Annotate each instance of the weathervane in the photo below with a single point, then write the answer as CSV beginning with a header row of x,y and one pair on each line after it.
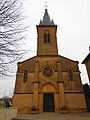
x,y
46,5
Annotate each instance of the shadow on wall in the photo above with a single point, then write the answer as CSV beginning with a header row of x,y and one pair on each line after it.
x,y
86,89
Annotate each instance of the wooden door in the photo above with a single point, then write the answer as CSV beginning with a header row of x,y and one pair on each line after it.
x,y
48,102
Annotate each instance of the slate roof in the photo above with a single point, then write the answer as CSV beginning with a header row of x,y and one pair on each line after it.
x,y
46,19
87,58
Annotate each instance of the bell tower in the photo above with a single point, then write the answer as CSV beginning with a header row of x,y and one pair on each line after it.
x,y
46,36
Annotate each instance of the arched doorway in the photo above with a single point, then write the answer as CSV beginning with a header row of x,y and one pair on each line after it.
x,y
48,102
48,91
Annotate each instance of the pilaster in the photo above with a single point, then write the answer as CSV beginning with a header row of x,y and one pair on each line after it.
x,y
36,71
59,72
35,94
35,86
61,94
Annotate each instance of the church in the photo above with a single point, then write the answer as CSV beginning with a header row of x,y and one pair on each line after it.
x,y
48,81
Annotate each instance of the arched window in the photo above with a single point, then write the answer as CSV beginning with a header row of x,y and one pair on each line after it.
x,y
25,75
70,74
47,37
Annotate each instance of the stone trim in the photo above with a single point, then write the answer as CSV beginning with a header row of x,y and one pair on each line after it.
x,y
36,82
24,93
60,81
72,92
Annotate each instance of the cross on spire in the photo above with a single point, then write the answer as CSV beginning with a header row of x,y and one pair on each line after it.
x,y
46,5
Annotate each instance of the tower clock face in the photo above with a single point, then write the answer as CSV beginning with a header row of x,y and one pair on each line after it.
x,y
47,71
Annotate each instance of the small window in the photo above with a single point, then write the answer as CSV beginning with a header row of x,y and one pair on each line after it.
x,y
25,75
47,37
70,74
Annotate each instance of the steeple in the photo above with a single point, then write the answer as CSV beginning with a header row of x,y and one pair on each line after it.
x,y
46,19
47,39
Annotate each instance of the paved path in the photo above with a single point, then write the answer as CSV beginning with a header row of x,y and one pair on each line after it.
x,y
55,116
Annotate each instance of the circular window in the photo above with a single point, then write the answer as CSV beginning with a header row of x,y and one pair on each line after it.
x,y
47,71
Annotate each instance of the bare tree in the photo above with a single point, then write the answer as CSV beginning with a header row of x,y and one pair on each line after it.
x,y
11,34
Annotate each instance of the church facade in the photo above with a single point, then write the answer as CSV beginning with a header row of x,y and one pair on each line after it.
x,y
48,82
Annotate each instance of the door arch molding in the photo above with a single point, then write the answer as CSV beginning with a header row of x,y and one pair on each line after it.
x,y
48,88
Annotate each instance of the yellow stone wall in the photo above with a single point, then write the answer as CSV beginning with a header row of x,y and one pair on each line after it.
x,y
47,49
38,75
23,102
75,102
30,93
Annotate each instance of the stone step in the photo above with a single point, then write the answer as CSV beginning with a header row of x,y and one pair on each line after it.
x,y
22,119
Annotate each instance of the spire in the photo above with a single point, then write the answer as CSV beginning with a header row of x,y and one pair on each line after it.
x,y
46,19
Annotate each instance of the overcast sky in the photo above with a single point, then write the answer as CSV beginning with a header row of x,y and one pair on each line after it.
x,y
73,32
